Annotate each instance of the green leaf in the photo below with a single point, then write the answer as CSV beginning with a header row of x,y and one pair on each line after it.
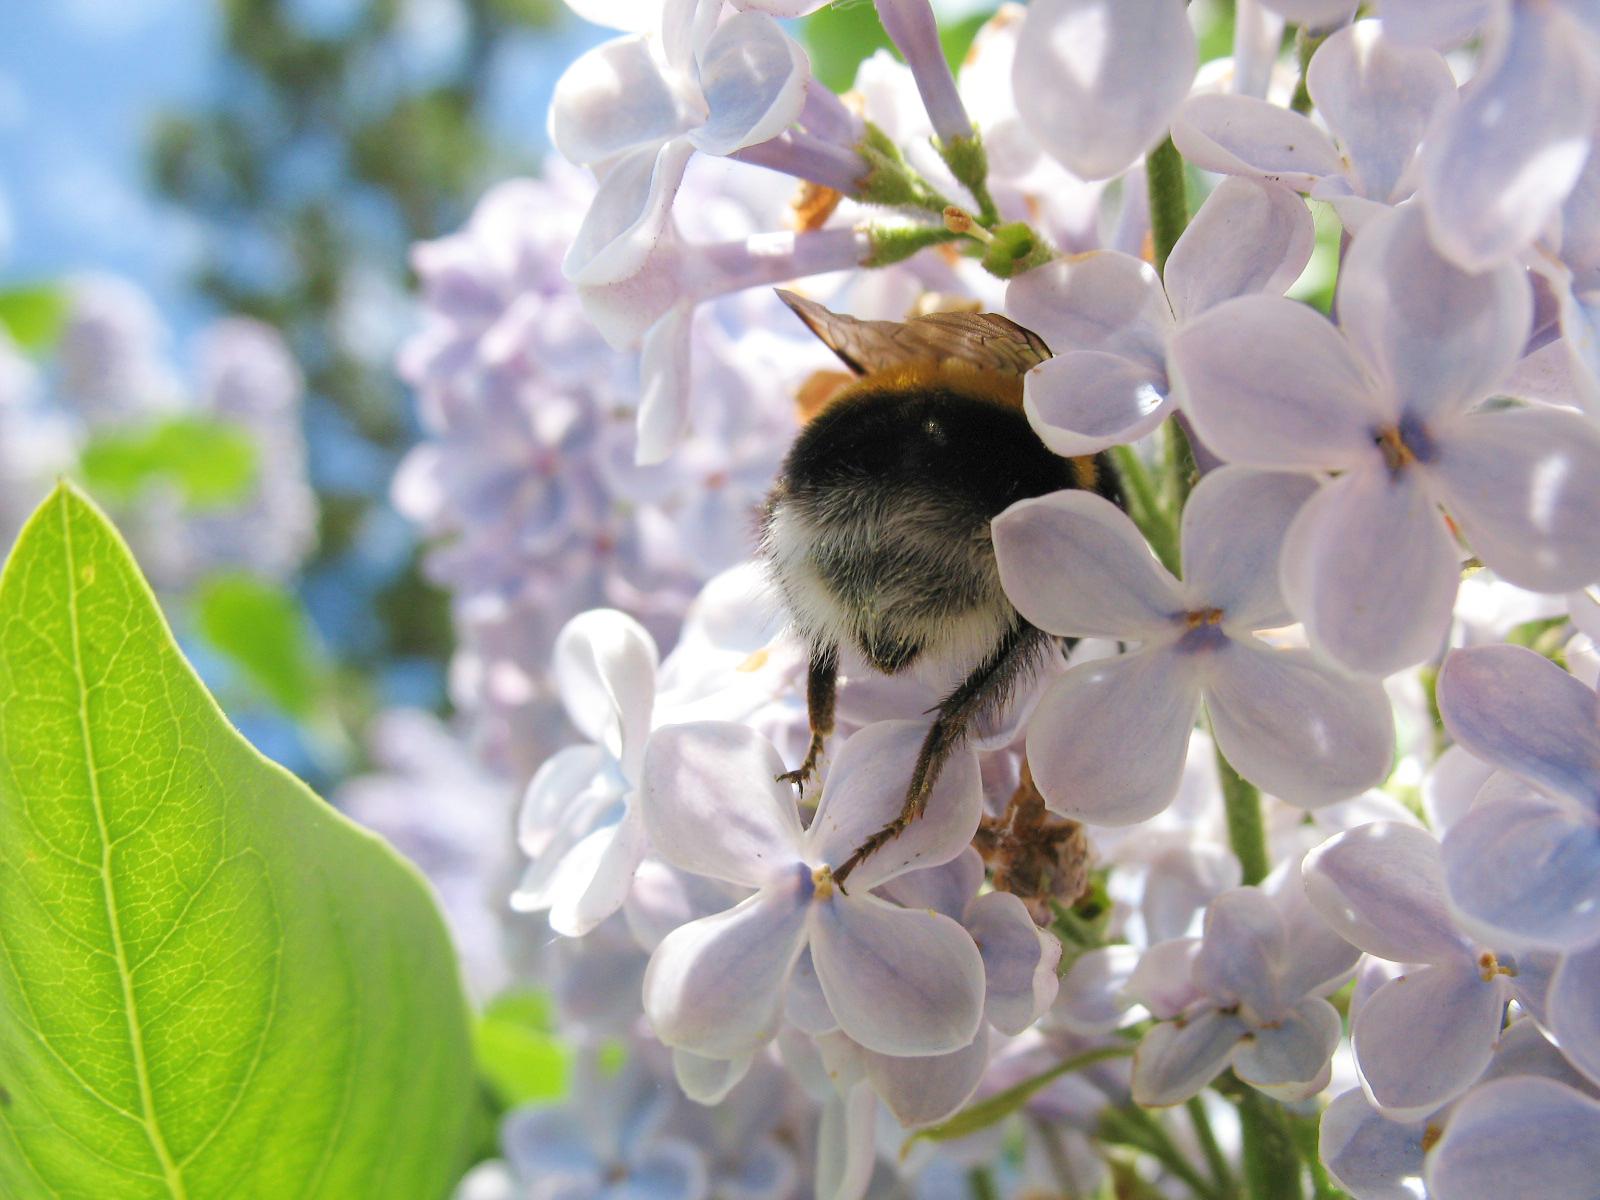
x,y
518,1051
260,627
212,462
211,983
1001,1105
840,37
34,316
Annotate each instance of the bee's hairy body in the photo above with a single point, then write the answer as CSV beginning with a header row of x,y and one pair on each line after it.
x,y
878,531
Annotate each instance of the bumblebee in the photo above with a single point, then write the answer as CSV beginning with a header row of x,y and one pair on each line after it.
x,y
876,533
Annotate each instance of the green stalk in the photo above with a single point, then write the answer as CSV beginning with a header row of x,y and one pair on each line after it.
x,y
1247,833
1134,1126
1227,1186
1271,1164
1180,466
1307,1133
1169,202
1146,507
1305,45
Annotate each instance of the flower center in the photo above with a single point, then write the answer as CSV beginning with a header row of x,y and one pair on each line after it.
x,y
1202,616
1431,1136
822,882
1403,444
1489,966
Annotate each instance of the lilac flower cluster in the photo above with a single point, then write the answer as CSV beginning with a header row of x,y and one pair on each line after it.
x,y
113,373
1289,817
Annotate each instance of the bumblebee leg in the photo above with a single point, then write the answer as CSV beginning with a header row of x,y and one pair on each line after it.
x,y
822,691
987,688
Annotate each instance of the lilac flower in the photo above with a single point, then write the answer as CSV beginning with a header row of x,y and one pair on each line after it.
x,y
1107,742
1524,869
1375,1157
1109,319
914,29
609,1145
1496,172
114,353
1097,82
444,812
1518,1136
1424,1037
1248,993
1369,565
639,106
898,981
1377,99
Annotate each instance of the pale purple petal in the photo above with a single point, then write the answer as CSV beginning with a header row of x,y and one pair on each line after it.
x,y
921,1091
1240,135
708,1080
1433,337
1371,569
865,790
1181,881
1294,727
1314,14
715,986
1572,1013
1164,980
1525,873
1097,81
665,1169
605,667
1083,401
1378,99
594,878
754,77
1424,1037
619,97
1247,237
713,806
899,981
1381,886
556,785
1091,1000
627,217
804,1004
663,416
1319,961
1524,485
1019,961
1289,1055
1243,944
947,888
846,1152
550,1144
1233,527
1371,1156
1174,1061
1103,300
1502,165
1270,383
1518,1137
1518,711
1451,785
1080,735
1442,24
1118,588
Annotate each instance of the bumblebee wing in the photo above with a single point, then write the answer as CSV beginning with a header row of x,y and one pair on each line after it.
x,y
987,341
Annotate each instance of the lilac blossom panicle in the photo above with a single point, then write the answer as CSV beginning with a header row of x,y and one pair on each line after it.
x,y
1338,842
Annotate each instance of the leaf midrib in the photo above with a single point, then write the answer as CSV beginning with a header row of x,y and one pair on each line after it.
x,y
158,1143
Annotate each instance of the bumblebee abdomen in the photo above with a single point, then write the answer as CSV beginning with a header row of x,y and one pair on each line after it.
x,y
878,530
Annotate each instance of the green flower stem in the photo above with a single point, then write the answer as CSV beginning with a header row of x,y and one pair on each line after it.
x,y
1227,1186
1169,201
1180,466
980,1182
1271,1163
1307,1132
1145,506
1136,1127
1305,46
1247,833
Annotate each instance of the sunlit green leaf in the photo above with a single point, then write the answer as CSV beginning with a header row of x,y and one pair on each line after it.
x,y
211,983
34,316
260,627
840,37
518,1051
211,462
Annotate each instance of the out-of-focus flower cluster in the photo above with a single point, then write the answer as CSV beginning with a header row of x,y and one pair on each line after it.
x,y
111,383
1327,720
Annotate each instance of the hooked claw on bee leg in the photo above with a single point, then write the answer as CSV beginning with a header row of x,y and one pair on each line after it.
x,y
916,802
807,768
